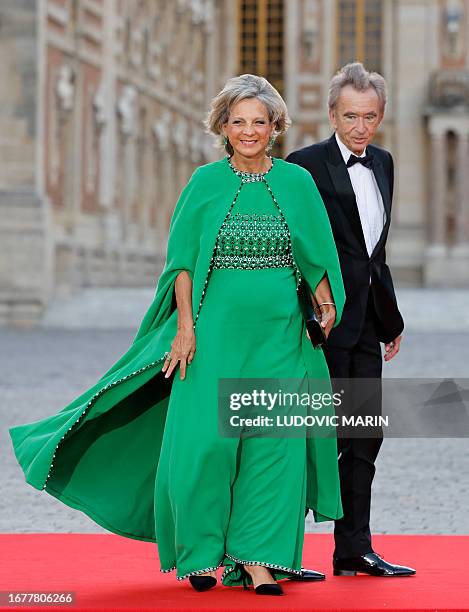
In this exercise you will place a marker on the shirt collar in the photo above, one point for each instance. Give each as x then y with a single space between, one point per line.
345 151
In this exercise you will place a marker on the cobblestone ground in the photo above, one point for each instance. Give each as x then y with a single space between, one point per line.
421 485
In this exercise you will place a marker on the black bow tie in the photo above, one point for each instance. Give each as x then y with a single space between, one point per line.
367 161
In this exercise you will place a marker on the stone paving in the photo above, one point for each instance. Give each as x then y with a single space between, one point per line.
421 485
117 308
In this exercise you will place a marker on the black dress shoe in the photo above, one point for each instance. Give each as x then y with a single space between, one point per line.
260 589
202 583
307 575
268 589
371 564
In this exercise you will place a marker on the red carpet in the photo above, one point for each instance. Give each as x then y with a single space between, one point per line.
112 572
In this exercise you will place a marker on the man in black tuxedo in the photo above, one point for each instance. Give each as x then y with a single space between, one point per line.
355 179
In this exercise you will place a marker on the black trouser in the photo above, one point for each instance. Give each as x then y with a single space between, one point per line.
357 455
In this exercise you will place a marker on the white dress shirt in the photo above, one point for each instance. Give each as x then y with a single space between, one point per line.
368 196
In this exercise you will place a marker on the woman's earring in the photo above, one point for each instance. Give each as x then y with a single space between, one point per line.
271 142
225 140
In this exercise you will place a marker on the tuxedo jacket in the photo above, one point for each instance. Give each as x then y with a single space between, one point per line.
326 165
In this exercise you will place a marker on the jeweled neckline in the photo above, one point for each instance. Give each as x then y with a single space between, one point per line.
250 177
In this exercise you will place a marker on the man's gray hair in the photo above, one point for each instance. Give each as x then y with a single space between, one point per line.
360 79
240 88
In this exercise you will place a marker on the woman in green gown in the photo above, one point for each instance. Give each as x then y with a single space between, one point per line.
141 452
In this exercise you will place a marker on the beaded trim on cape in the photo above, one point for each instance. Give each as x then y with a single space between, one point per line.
93 400
252 242
250 177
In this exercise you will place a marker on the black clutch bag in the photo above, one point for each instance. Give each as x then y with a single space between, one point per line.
309 308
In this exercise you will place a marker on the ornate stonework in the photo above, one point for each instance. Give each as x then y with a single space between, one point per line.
123 89
101 124
424 51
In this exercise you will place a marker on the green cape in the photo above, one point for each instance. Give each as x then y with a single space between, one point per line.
100 453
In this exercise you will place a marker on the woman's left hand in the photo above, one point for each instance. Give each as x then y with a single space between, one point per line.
328 315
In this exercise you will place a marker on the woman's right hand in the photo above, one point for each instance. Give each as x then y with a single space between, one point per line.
182 352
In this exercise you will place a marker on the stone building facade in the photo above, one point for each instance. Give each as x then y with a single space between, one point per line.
422 49
101 110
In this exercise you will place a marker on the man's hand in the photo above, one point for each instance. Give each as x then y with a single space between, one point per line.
392 348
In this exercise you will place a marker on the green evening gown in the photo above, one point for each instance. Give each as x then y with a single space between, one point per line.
254 489
142 455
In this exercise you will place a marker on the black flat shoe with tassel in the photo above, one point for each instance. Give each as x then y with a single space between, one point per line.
202 583
260 589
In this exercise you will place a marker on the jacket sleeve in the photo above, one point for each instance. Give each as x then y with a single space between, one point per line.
314 245
292 158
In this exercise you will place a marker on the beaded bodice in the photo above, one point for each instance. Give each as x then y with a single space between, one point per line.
252 241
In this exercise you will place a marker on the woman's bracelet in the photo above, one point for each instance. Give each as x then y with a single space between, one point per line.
326 303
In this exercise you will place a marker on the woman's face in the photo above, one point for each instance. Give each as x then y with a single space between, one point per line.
248 128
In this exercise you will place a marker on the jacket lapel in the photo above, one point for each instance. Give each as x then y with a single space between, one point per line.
341 180
383 185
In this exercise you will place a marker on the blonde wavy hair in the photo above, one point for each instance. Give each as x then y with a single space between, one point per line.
241 88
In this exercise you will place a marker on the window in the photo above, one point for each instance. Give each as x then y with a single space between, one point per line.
261 39
359 33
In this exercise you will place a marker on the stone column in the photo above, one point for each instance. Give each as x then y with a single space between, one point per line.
215 70
438 189
147 180
26 255
211 59
154 197
195 148
109 144
182 144
462 190
413 57
292 9
169 176
162 199
456 272
65 99
126 112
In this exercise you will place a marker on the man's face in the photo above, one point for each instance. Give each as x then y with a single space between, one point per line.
356 117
